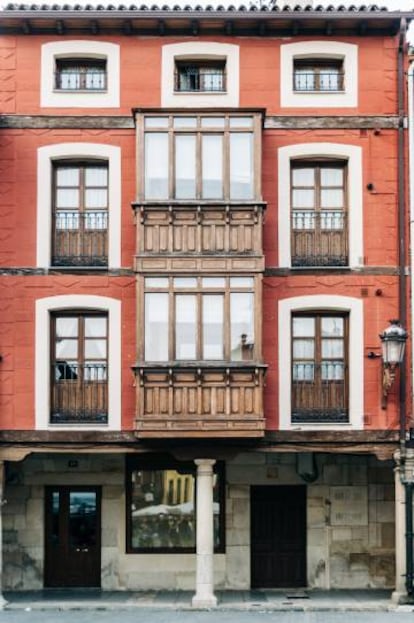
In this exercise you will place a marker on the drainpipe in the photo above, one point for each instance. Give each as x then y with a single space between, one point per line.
407 482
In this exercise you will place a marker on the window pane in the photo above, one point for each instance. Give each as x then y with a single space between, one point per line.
67 176
95 349
95 327
242 326
303 349
303 327
156 166
332 177
96 198
82 518
185 166
66 349
303 177
213 327
332 349
156 327
96 176
185 122
212 122
303 371
329 79
332 370
66 326
162 509
333 198
185 327
304 79
303 198
332 327
67 198
241 282
212 166
241 166
156 122
241 122
185 282
156 282
213 282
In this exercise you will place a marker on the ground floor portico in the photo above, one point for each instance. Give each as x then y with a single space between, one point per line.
149 521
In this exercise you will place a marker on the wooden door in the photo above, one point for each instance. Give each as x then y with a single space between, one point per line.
73 536
278 536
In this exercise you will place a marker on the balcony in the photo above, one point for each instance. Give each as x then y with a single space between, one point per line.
319 393
80 239
79 393
200 400
319 238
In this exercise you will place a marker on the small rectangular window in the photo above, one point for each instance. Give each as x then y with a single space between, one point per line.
200 76
315 74
80 74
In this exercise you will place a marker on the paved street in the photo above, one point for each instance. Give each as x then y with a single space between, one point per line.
163 616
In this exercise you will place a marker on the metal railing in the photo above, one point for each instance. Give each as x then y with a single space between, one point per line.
80 239
80 80
79 392
319 392
192 79
318 81
319 238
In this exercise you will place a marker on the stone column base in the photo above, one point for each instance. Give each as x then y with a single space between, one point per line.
3 602
398 597
204 601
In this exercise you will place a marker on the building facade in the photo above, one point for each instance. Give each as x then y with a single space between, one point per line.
203 232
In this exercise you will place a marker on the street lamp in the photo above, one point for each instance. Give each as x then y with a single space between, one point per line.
393 340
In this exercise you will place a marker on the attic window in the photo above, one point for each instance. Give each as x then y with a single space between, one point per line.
200 76
317 74
79 74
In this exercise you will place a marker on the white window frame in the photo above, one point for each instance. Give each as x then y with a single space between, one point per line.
323 303
44 308
54 98
353 156
206 51
45 157
334 50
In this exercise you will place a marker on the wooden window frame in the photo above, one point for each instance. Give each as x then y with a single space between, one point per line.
81 361
319 258
198 130
316 67
82 67
219 66
199 291
164 463
81 211
322 413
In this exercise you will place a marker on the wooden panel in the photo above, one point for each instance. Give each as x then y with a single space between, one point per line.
201 264
200 401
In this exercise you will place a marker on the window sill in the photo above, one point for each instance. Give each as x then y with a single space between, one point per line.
75 91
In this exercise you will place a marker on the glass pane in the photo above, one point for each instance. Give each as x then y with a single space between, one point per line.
185 282
242 326
156 122
96 176
185 122
66 349
332 326
96 220
156 327
185 166
212 166
185 327
303 326
332 349
95 327
96 198
54 536
241 122
67 198
212 122
95 371
333 198
156 282
241 166
303 371
303 349
82 518
156 166
67 176
303 219
213 282
213 327
332 219
66 326
303 198
162 509
329 79
332 177
332 370
303 177
241 282
304 79
95 349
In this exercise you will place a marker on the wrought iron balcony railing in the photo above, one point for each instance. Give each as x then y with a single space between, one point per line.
319 392
319 238
195 80
80 239
318 81
79 393
78 80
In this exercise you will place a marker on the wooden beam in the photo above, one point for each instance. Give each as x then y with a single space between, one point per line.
329 29
60 27
195 27
295 27
127 27
27 27
94 27
161 27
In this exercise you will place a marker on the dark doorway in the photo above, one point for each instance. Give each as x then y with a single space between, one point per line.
278 536
73 536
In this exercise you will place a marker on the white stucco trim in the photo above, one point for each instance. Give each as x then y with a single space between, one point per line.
42 356
319 49
79 49
323 302
203 51
45 157
353 155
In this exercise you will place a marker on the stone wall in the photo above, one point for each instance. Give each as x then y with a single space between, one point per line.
350 522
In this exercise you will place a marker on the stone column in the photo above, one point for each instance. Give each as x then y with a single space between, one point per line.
204 596
3 602
401 472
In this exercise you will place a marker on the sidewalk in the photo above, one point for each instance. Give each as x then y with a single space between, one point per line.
254 600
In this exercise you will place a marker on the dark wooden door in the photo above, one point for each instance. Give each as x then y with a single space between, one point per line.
73 536
278 536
